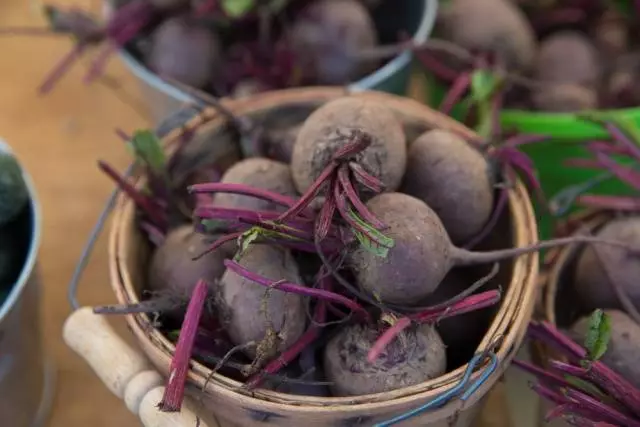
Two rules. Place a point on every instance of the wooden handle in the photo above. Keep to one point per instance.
(123, 370)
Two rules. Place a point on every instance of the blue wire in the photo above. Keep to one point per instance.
(446, 396)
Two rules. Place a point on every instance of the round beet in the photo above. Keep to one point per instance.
(417, 355)
(622, 349)
(454, 179)
(422, 254)
(328, 128)
(496, 26)
(173, 269)
(184, 51)
(249, 310)
(598, 267)
(327, 35)
(568, 57)
(260, 173)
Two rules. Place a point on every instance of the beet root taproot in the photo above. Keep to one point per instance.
(600, 268)
(417, 355)
(454, 179)
(250, 311)
(422, 254)
(329, 127)
(622, 348)
(257, 172)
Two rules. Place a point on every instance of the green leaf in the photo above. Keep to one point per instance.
(375, 242)
(237, 8)
(247, 238)
(598, 335)
(483, 85)
(147, 148)
(585, 386)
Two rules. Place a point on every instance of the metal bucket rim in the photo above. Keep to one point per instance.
(370, 81)
(34, 245)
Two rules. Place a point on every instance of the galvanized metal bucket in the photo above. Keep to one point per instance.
(26, 376)
(162, 99)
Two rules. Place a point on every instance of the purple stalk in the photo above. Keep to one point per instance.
(174, 392)
(143, 202)
(608, 413)
(359, 141)
(524, 139)
(432, 64)
(623, 139)
(542, 374)
(365, 179)
(325, 219)
(245, 190)
(605, 378)
(296, 289)
(456, 91)
(61, 68)
(352, 195)
(315, 188)
(341, 204)
(568, 369)
(618, 203)
(210, 211)
(501, 204)
(624, 173)
(219, 242)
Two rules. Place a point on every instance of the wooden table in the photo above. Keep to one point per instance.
(59, 137)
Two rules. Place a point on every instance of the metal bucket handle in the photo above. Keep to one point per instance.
(90, 336)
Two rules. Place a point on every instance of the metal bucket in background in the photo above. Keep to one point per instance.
(26, 375)
(419, 16)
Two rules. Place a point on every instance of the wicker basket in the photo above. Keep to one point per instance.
(233, 406)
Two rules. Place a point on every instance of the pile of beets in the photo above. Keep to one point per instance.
(339, 267)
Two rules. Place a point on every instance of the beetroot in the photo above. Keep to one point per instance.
(422, 254)
(326, 37)
(417, 355)
(454, 179)
(186, 52)
(495, 26)
(327, 129)
(252, 313)
(173, 268)
(259, 173)
(600, 268)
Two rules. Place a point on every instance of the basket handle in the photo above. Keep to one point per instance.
(124, 370)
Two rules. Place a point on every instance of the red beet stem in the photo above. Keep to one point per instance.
(617, 203)
(456, 91)
(501, 204)
(209, 211)
(441, 71)
(568, 369)
(311, 334)
(325, 218)
(61, 68)
(605, 378)
(307, 197)
(352, 195)
(143, 202)
(359, 141)
(624, 173)
(365, 178)
(245, 190)
(174, 392)
(525, 139)
(345, 213)
(624, 140)
(219, 242)
(470, 303)
(543, 374)
(295, 288)
(608, 413)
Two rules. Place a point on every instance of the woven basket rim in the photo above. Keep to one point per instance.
(510, 321)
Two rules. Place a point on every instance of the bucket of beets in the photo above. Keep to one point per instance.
(235, 48)
(286, 237)
(26, 376)
(550, 62)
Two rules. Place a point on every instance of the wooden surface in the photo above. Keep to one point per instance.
(58, 138)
